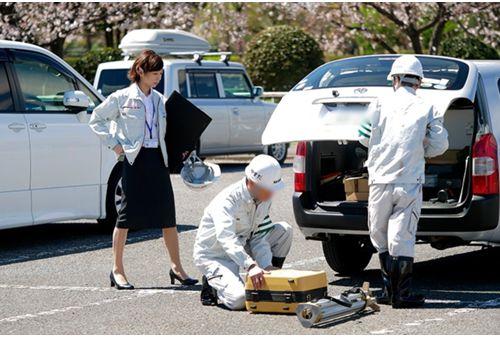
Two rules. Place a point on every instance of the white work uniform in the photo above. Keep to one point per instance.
(234, 233)
(404, 130)
(126, 110)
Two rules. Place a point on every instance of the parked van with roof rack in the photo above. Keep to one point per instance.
(221, 88)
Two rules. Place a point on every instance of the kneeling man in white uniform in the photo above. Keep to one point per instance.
(236, 234)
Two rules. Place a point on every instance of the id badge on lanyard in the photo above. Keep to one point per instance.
(148, 140)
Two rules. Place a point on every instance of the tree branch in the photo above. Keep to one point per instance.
(391, 16)
(441, 13)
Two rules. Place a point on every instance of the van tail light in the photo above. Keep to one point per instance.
(299, 167)
(485, 165)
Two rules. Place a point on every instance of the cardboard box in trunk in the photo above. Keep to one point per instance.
(356, 188)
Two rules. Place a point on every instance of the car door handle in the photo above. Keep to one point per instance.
(236, 111)
(17, 126)
(37, 126)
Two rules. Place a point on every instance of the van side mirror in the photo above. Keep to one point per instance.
(76, 100)
(257, 91)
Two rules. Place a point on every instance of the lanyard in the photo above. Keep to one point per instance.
(150, 127)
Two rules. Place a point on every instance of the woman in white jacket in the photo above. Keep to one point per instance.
(147, 196)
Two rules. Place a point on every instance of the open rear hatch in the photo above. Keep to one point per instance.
(331, 116)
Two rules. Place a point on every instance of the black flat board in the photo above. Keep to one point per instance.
(185, 124)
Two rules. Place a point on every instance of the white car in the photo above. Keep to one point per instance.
(222, 89)
(461, 193)
(53, 167)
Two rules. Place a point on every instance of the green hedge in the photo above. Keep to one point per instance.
(468, 48)
(87, 64)
(278, 57)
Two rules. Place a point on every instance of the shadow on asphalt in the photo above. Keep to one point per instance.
(58, 239)
(455, 281)
(51, 240)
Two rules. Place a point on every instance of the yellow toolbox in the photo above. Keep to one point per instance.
(284, 289)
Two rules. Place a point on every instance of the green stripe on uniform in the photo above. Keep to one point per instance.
(367, 128)
(265, 223)
(264, 231)
(361, 133)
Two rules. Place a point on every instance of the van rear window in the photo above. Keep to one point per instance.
(111, 80)
(372, 71)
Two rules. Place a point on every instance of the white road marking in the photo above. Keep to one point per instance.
(63, 288)
(465, 308)
(132, 296)
(382, 332)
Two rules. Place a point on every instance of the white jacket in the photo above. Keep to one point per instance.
(126, 108)
(404, 130)
(233, 224)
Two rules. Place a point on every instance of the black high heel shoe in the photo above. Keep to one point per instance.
(126, 286)
(185, 282)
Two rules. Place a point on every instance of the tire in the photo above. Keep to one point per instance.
(347, 254)
(113, 194)
(278, 151)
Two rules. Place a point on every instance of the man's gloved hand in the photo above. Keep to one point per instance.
(256, 274)
(365, 132)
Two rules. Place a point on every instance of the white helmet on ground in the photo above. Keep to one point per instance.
(407, 65)
(265, 171)
(197, 174)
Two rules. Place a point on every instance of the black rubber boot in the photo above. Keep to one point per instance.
(208, 294)
(385, 264)
(401, 277)
(278, 262)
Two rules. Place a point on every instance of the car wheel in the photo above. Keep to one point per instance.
(278, 151)
(347, 254)
(113, 199)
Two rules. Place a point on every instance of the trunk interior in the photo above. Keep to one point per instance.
(447, 180)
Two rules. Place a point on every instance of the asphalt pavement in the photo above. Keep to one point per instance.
(54, 280)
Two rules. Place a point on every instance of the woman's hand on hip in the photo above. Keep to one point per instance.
(118, 149)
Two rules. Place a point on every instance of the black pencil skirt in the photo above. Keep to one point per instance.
(147, 195)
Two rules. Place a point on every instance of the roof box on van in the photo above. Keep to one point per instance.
(162, 41)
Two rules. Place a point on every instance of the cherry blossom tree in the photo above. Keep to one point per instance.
(340, 28)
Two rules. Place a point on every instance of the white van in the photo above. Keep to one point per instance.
(53, 166)
(461, 192)
(222, 89)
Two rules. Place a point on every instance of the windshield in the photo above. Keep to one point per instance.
(370, 71)
(111, 80)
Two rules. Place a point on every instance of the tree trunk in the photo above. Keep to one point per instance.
(88, 40)
(117, 37)
(415, 41)
(436, 38)
(108, 37)
(57, 46)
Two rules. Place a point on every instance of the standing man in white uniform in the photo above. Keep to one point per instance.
(236, 233)
(403, 129)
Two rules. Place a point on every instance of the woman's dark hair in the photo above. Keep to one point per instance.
(148, 61)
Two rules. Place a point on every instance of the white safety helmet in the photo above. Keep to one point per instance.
(407, 65)
(265, 171)
(197, 174)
